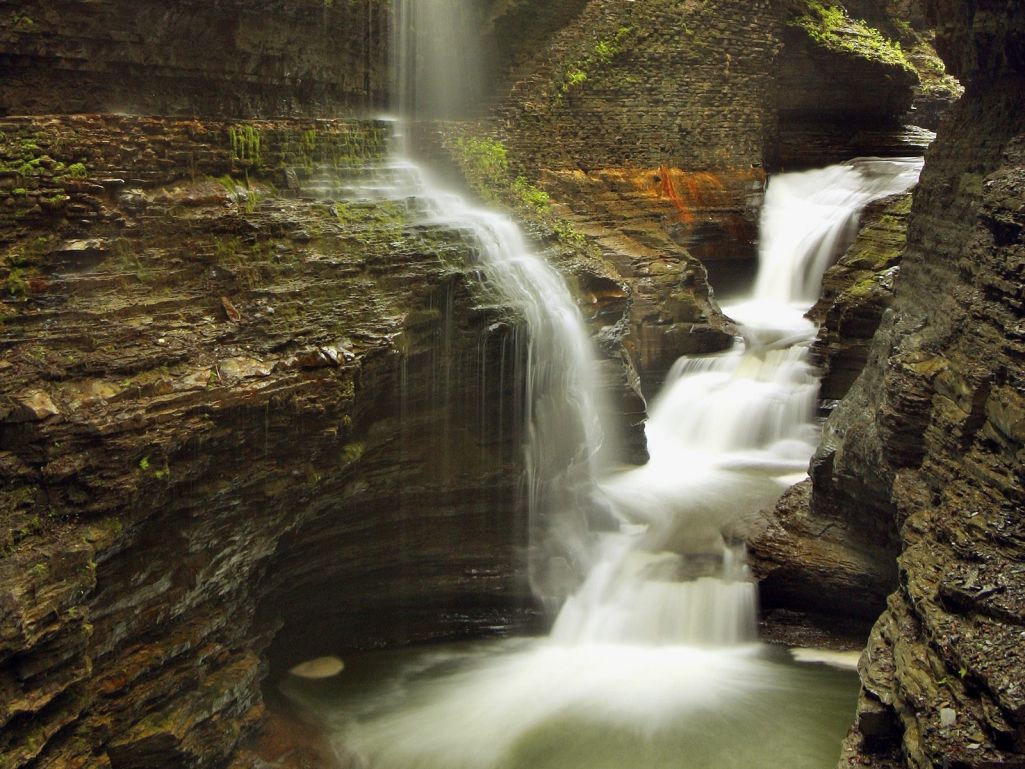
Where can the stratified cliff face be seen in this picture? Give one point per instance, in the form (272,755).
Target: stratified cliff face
(651,124)
(930,441)
(225,405)
(238,58)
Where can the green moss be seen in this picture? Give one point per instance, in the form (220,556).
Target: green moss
(353,452)
(246,143)
(15,285)
(601,54)
(77,171)
(242,192)
(828,24)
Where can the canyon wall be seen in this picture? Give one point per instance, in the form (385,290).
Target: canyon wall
(239,58)
(925,451)
(231,403)
(652,125)
(227,431)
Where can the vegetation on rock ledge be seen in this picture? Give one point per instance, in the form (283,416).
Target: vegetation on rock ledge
(828,24)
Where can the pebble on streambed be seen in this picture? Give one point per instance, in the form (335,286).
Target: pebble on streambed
(318,669)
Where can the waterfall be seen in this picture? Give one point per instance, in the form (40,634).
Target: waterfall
(659,639)
(435,55)
(728,434)
(653,660)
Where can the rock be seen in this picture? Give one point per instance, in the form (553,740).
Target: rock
(260,68)
(320,668)
(857,290)
(34,406)
(229,309)
(211,484)
(924,442)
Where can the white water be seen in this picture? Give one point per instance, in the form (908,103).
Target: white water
(728,434)
(436,62)
(659,640)
(654,660)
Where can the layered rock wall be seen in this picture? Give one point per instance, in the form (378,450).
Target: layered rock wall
(240,58)
(929,439)
(225,393)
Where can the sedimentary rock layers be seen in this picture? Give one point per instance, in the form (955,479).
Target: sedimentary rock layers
(241,58)
(929,440)
(230,400)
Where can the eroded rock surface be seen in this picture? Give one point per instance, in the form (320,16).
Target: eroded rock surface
(227,404)
(929,439)
(240,58)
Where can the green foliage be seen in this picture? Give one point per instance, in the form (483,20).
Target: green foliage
(353,452)
(484,157)
(574,78)
(246,143)
(529,194)
(829,25)
(309,141)
(486,161)
(242,193)
(144,464)
(15,285)
(77,171)
(603,52)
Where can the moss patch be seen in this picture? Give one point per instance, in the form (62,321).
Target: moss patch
(829,25)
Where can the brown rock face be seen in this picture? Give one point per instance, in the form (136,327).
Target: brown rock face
(930,440)
(856,291)
(229,409)
(241,58)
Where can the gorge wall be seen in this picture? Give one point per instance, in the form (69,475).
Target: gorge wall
(231,403)
(923,458)
(240,58)
(242,421)
(651,126)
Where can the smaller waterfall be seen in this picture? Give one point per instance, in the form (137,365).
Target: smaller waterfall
(811,217)
(652,661)
(728,434)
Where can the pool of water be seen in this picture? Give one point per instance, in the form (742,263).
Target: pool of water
(535,704)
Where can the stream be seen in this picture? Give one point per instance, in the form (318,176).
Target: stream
(653,658)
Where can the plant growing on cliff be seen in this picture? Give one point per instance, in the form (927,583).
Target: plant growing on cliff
(484,157)
(601,54)
(829,25)
(246,143)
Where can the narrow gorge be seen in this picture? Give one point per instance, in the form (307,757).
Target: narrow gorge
(505,384)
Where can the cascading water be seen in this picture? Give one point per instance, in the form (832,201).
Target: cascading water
(435,56)
(652,662)
(728,433)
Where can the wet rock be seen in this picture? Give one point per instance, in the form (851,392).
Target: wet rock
(926,437)
(179,494)
(33,406)
(856,292)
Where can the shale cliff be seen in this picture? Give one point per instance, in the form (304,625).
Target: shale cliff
(243,422)
(923,458)
(237,58)
(229,403)
(651,126)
